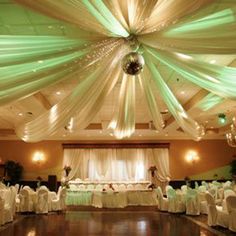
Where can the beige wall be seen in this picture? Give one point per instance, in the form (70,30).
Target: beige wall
(212,154)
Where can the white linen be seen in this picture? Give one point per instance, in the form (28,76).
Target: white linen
(41,206)
(192,202)
(216,215)
(162,201)
(231,206)
(117,164)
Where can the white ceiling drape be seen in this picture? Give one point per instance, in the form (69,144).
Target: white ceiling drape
(172,32)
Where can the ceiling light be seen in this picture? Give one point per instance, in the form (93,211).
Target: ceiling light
(182,92)
(20,114)
(231,135)
(40,61)
(58,93)
(184,56)
(212,61)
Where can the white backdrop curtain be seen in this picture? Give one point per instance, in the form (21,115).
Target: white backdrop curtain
(117,164)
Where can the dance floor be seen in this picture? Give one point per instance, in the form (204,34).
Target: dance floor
(108,223)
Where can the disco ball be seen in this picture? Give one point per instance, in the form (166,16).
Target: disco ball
(132,63)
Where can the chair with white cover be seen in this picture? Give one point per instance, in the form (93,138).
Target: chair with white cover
(184,188)
(26,203)
(99,187)
(13,200)
(138,186)
(2,186)
(43,187)
(73,187)
(82,187)
(130,187)
(58,204)
(227,193)
(90,187)
(122,187)
(2,219)
(42,202)
(192,202)
(175,203)
(6,212)
(216,215)
(231,206)
(162,201)
(227,185)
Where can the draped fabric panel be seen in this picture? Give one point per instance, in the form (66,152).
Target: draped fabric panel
(183,119)
(202,33)
(166,13)
(98,83)
(173,32)
(117,164)
(217,79)
(151,101)
(123,123)
(94,15)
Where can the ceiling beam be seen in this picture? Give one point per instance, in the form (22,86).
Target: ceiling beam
(5,132)
(189,104)
(98,126)
(43,100)
(197,98)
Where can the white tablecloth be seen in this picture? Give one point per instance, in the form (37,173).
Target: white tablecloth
(113,199)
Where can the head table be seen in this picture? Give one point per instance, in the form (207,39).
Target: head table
(112,199)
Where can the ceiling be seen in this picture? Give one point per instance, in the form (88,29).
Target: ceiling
(16,20)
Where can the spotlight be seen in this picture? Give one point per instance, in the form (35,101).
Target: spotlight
(222,118)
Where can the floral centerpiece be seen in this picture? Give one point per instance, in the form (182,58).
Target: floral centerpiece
(152,169)
(67,170)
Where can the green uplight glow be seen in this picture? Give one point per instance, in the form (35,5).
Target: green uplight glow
(222,118)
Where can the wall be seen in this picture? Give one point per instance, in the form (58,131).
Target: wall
(214,156)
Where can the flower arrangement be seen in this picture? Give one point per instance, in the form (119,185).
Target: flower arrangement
(152,169)
(39,179)
(67,170)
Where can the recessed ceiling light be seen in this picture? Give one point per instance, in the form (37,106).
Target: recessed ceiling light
(206,121)
(40,61)
(212,61)
(182,92)
(20,114)
(58,93)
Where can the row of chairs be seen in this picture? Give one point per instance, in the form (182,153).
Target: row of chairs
(194,202)
(41,201)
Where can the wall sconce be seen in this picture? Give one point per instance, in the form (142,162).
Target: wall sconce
(38,157)
(191,156)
